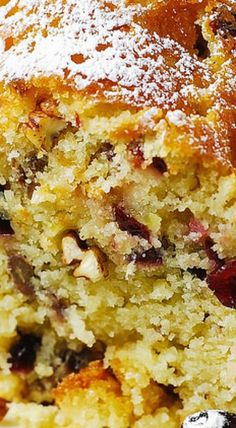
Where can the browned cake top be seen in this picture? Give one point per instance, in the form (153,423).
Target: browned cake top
(101,46)
(137,53)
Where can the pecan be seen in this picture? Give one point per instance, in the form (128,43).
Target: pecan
(73,248)
(93,266)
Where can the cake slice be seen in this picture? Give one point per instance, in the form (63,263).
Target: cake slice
(117,212)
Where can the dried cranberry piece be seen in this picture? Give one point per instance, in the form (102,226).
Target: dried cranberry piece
(223,282)
(129,224)
(159,164)
(151,257)
(195,226)
(5,227)
(3,408)
(22,273)
(137,153)
(23,353)
(212,254)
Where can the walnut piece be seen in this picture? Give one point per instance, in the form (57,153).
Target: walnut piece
(93,266)
(91,262)
(73,250)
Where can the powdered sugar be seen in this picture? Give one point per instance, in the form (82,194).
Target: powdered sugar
(94,41)
(177,117)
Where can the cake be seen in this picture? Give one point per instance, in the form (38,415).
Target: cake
(117,212)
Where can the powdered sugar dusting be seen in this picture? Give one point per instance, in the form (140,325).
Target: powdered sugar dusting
(94,42)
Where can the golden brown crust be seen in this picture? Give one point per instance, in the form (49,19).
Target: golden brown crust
(91,375)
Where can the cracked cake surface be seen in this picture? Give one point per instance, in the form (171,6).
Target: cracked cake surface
(117,213)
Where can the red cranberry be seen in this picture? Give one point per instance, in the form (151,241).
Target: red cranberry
(3,408)
(212,254)
(137,153)
(195,226)
(23,353)
(223,282)
(159,164)
(129,224)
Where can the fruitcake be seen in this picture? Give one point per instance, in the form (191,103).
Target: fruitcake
(117,213)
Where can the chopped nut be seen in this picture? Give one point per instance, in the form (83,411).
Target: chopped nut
(73,248)
(93,266)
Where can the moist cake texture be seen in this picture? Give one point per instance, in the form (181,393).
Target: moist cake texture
(117,212)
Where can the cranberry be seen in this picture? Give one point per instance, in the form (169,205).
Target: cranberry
(212,254)
(5,227)
(151,257)
(23,353)
(159,164)
(137,153)
(3,408)
(129,224)
(22,273)
(223,282)
(195,226)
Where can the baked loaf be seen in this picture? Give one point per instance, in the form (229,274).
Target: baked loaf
(117,212)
